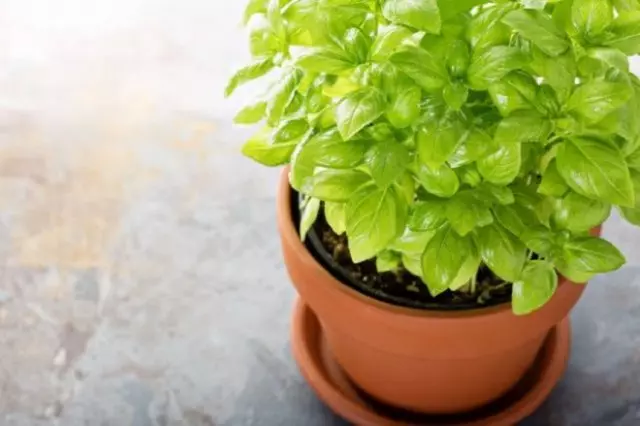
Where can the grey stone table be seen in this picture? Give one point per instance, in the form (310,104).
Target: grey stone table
(141,282)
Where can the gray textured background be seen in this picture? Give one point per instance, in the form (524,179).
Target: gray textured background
(141,281)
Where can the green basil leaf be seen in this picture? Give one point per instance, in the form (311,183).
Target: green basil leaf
(501,251)
(412,243)
(316,101)
(544,210)
(335,185)
(523,127)
(591,17)
(437,46)
(446,260)
(625,33)
(458,58)
(515,218)
(609,58)
(442,181)
(559,72)
(540,29)
(475,145)
(421,66)
(248,73)
(539,239)
(302,164)
(633,160)
(487,29)
(468,270)
(531,155)
(404,107)
(375,218)
(626,5)
(380,132)
(552,182)
(327,119)
(535,4)
(329,150)
(387,261)
(470,175)
(493,64)
(325,60)
(632,150)
(387,42)
(438,140)
(356,44)
(623,122)
(295,106)
(251,114)
(449,9)
(526,195)
(507,98)
(406,187)
(387,161)
(499,194)
(419,14)
(632,214)
(260,149)
(455,95)
(359,109)
(336,216)
(290,130)
(536,287)
(595,99)
(580,214)
(575,275)
(562,15)
(326,20)
(590,255)
(341,87)
(434,110)
(282,95)
(524,83)
(276,20)
(547,101)
(454,27)
(428,215)
(503,165)
(262,40)
(309,216)
(597,170)
(413,264)
(465,212)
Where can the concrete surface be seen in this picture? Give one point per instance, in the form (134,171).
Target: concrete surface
(140,276)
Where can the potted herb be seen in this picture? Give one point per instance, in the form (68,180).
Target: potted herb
(450,164)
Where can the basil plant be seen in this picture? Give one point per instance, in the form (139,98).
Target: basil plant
(447,136)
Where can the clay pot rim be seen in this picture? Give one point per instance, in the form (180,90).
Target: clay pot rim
(290,234)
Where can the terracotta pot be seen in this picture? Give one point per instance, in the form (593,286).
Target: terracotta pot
(425,361)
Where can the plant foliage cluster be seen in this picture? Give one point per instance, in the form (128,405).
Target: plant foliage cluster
(444,135)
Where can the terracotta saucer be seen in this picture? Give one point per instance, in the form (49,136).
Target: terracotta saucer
(335,389)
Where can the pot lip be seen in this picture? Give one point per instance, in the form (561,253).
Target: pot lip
(289,234)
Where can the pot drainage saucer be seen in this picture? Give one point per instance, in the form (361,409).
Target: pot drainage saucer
(335,389)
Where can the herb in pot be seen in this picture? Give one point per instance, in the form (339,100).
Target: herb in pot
(495,134)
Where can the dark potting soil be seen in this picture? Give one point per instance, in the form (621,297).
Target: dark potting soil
(399,287)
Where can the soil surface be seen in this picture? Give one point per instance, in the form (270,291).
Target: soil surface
(399,287)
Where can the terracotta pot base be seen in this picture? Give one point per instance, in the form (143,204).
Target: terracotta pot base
(336,390)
